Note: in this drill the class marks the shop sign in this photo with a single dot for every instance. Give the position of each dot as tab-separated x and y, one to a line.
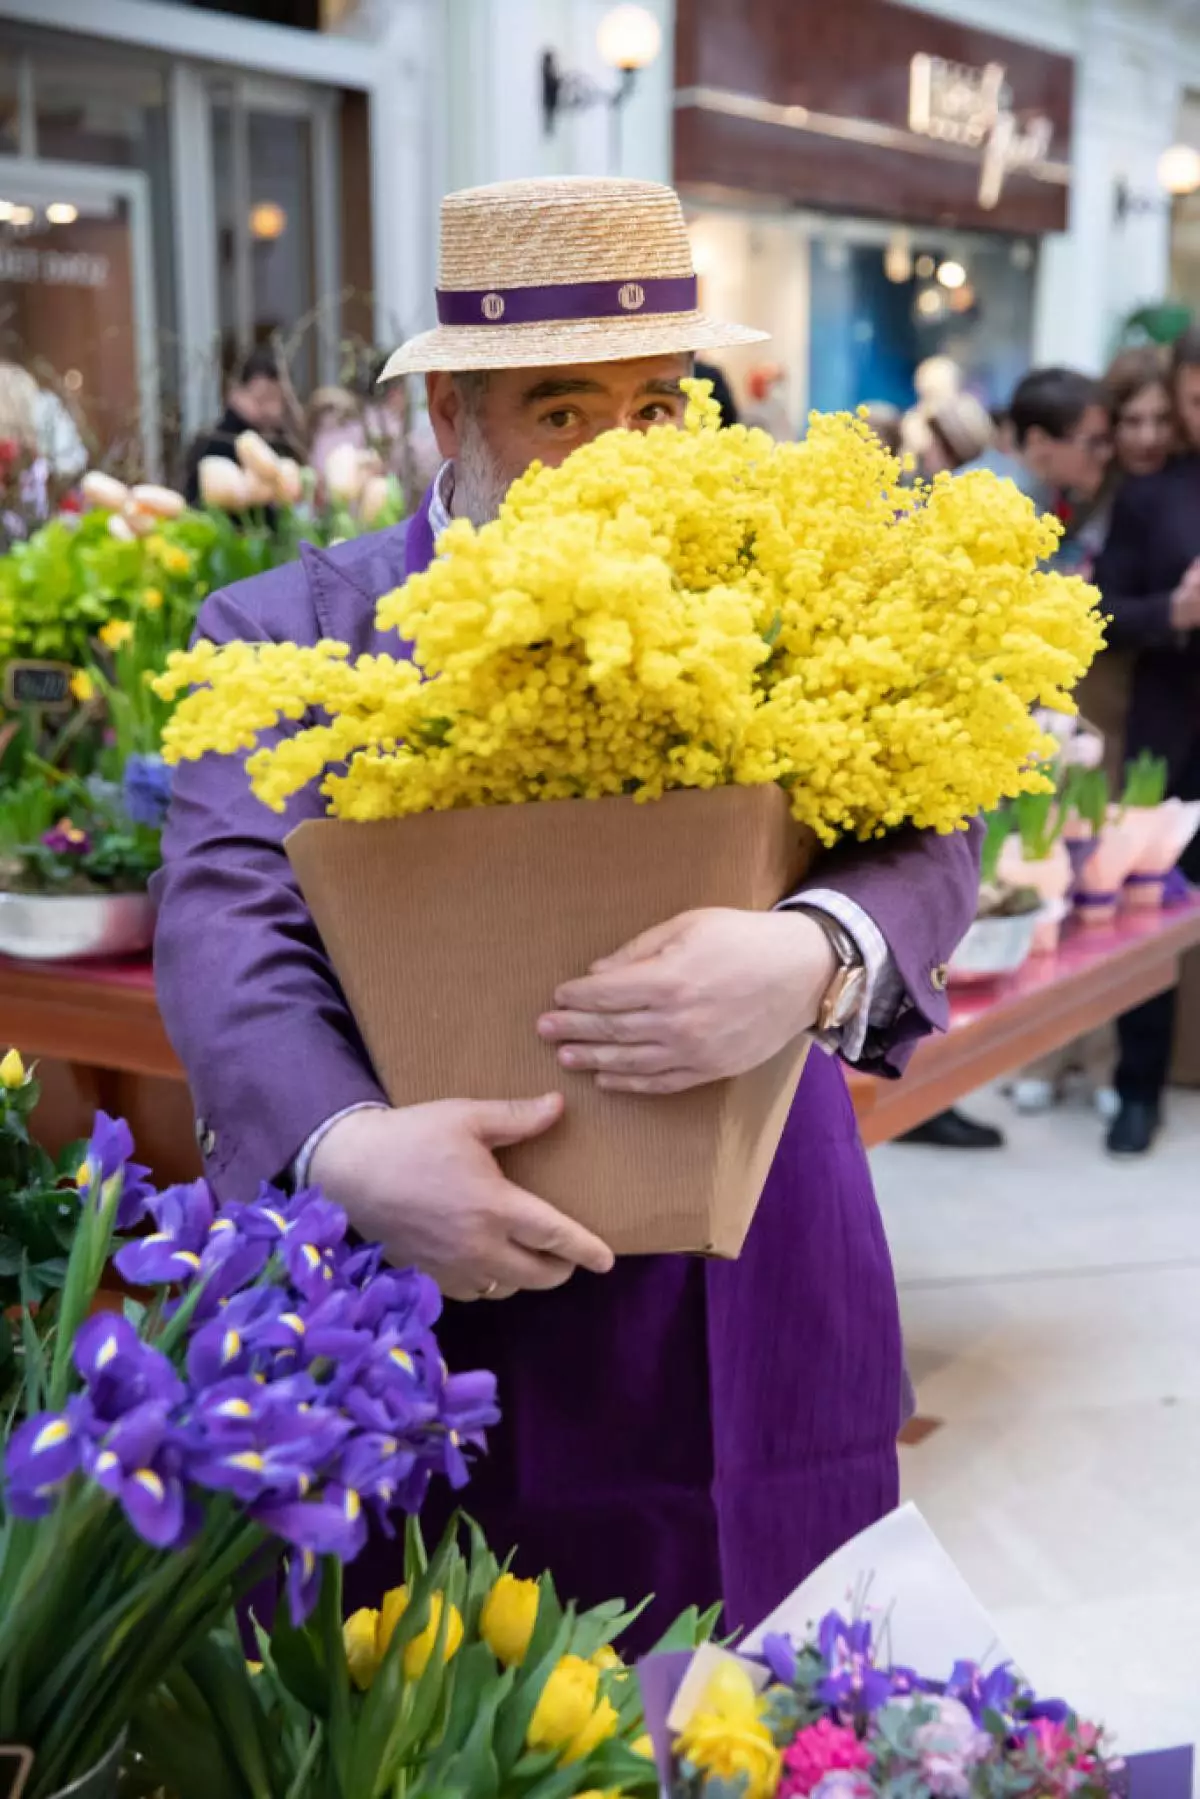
959	104
52	268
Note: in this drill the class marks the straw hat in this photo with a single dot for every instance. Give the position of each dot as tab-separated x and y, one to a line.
536	274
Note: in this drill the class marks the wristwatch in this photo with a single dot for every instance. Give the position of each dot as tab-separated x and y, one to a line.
845	992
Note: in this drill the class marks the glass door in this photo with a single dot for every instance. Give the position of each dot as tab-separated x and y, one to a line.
77	303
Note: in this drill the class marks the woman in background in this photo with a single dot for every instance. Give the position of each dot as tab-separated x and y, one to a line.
1149	576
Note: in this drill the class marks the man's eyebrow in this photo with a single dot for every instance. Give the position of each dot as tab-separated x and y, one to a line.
557	388
554	387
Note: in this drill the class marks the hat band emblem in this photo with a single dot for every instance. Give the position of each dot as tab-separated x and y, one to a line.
564	301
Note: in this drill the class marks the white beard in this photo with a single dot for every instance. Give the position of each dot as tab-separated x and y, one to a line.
480	484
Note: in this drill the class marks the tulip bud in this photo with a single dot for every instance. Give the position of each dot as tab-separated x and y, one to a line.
508	1617
567	1702
12	1071
159	502
142	524
375	497
290	481
258	458
346	471
258	491
102	491
223	484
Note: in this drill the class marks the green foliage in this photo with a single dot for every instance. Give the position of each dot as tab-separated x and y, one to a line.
114	855
1145	780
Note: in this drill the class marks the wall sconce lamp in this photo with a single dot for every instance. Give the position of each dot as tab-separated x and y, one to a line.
628	39
1178	175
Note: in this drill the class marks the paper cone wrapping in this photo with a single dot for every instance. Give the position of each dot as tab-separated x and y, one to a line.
1120	844
1169	830
1050	877
449	932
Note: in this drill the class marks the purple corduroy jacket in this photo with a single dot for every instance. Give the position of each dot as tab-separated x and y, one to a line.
692	1430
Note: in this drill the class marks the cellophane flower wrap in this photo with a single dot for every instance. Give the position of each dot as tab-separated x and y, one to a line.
685	608
282	1387
836	1721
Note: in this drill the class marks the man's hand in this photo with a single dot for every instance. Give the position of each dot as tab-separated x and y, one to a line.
422	1181
1185	601
708	995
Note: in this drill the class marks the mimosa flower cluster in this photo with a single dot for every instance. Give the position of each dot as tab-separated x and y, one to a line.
686	608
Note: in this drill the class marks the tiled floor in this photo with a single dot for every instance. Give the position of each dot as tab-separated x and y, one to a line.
1051	1303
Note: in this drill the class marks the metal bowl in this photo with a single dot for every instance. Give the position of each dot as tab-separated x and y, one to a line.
992	947
45	927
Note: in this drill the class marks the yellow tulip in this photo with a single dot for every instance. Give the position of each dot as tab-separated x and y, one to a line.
366	1635
567	1702
82	686
644	1746
600	1726
12	1071
360	1641
116	632
508	1617
728	1737
606	1659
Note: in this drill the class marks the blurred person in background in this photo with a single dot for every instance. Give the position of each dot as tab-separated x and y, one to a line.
959	431
886	422
379	419
1137	391
766	409
24	471
1149	576
1061	448
254	401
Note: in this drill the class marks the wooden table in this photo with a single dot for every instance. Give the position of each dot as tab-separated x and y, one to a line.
98	1029
1097	973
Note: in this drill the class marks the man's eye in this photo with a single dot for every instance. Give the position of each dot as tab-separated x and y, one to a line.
659	412
562	419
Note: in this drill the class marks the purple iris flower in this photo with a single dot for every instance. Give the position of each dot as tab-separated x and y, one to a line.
137	1462
109	1153
303	1584
1054	1711
260	1444
40	1459
146	790
229	1343
780	1657
853	1683
119	1370
331	1522
980	1692
184	1217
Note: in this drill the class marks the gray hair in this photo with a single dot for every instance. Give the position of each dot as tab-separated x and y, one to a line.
472	385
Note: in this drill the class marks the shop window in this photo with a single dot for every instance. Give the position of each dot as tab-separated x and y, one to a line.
10	105
263	185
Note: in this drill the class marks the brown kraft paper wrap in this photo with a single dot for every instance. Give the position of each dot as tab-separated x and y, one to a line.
450	931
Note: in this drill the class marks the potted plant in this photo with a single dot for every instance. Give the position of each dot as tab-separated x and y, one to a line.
1000	937
1170	826
1035	856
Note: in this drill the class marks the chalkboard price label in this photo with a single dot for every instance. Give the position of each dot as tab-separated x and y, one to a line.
43	684
15	1764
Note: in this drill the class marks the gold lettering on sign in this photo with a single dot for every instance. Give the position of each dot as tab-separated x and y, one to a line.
972	107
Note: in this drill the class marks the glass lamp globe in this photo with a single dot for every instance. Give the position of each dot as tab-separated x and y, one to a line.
1179	169
629	37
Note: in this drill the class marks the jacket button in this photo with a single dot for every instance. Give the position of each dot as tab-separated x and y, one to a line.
938	978
206	1137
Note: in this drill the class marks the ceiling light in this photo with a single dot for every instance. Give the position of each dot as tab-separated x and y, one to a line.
62	213
629	37
21	215
930	303
951	274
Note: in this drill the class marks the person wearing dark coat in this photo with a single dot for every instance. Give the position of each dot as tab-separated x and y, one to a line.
1149	576
254	402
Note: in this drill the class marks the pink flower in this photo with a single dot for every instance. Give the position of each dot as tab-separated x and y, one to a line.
1069	1756
818	1750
